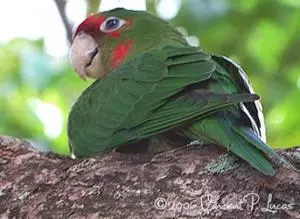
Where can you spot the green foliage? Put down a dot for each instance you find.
(32, 89)
(262, 36)
(93, 5)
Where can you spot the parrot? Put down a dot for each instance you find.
(151, 85)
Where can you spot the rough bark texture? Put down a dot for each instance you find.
(177, 184)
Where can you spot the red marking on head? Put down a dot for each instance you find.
(120, 52)
(91, 25)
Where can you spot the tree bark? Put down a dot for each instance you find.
(183, 183)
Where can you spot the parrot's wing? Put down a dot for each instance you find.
(252, 110)
(145, 97)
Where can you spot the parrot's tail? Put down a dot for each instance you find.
(240, 140)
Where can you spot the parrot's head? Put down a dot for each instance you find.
(105, 40)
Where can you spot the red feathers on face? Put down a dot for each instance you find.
(91, 25)
(120, 53)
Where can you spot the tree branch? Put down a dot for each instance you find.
(61, 5)
(177, 184)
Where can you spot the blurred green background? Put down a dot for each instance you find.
(38, 87)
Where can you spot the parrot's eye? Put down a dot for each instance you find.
(111, 24)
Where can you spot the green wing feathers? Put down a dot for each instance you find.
(117, 109)
(168, 88)
(133, 102)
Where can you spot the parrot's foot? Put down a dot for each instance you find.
(225, 163)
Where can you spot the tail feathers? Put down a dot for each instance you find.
(248, 135)
(220, 131)
(248, 152)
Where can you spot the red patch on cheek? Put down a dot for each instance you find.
(120, 53)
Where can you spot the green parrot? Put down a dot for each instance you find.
(151, 84)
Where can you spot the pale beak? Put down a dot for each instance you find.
(83, 51)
